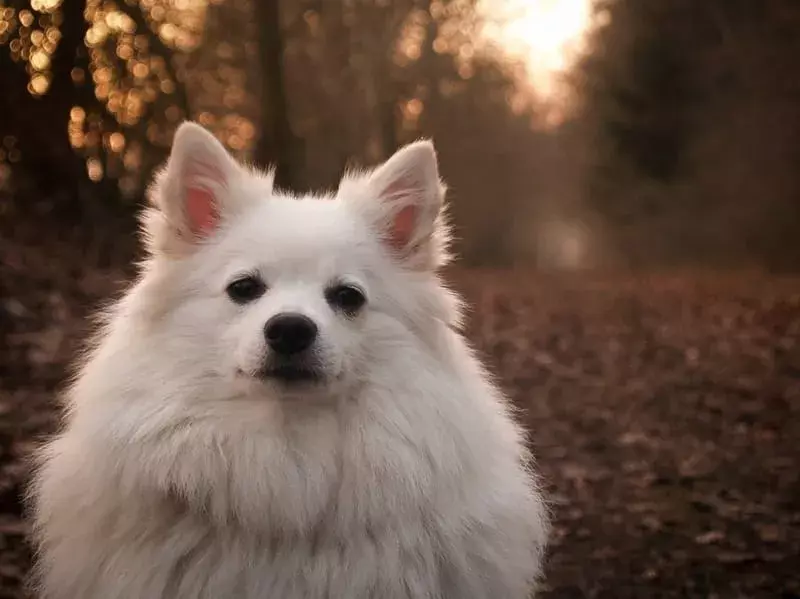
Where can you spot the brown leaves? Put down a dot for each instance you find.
(664, 411)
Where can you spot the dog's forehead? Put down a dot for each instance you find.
(290, 230)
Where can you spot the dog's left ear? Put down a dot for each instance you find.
(194, 193)
(410, 198)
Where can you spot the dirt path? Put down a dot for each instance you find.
(664, 414)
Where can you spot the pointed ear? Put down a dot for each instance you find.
(408, 199)
(193, 193)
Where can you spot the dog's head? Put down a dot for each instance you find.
(295, 294)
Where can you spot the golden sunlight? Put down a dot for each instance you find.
(547, 35)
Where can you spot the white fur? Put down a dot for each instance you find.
(179, 476)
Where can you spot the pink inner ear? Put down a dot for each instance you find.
(201, 210)
(403, 227)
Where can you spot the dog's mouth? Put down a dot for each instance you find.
(292, 374)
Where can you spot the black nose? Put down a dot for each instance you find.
(290, 333)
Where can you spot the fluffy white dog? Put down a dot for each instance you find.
(281, 407)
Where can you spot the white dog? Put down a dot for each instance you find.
(281, 407)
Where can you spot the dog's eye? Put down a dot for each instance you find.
(246, 289)
(347, 298)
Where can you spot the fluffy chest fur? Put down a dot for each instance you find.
(392, 494)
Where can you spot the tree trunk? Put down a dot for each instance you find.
(39, 123)
(274, 147)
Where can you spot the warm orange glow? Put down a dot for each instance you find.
(546, 34)
(116, 141)
(95, 169)
(38, 85)
(45, 5)
(411, 112)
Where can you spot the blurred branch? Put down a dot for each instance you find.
(157, 44)
(38, 123)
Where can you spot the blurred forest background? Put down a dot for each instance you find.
(624, 178)
(668, 135)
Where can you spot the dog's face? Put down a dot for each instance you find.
(293, 294)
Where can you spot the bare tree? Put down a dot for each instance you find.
(275, 143)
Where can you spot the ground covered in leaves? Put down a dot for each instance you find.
(663, 412)
(665, 415)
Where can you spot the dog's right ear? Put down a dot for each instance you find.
(194, 192)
